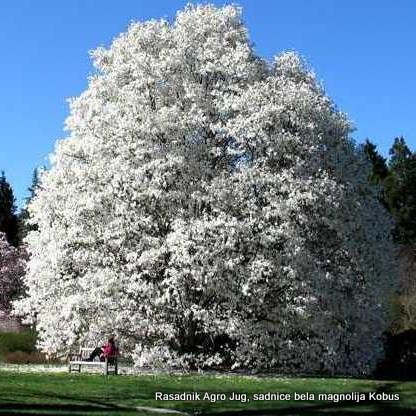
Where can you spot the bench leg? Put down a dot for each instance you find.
(73, 367)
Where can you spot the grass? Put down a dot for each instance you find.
(91, 394)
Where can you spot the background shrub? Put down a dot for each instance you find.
(11, 342)
(21, 357)
(400, 360)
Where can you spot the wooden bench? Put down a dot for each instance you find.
(77, 360)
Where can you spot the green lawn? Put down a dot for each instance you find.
(94, 394)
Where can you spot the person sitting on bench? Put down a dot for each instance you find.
(108, 350)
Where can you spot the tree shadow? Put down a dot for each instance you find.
(341, 408)
(62, 408)
(79, 405)
(69, 404)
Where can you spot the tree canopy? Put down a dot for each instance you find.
(209, 208)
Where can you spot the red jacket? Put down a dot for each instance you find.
(109, 350)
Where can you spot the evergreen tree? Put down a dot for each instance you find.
(24, 224)
(399, 154)
(379, 170)
(8, 218)
(400, 191)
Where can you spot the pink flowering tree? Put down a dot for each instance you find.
(12, 268)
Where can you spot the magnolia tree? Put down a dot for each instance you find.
(209, 208)
(12, 268)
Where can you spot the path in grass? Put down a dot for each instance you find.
(91, 394)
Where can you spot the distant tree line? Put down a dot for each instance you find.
(397, 180)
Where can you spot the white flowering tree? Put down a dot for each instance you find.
(209, 208)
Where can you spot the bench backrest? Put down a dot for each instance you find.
(84, 353)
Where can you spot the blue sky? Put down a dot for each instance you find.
(363, 51)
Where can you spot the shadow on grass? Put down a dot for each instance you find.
(317, 410)
(59, 408)
(87, 406)
(341, 408)
(73, 404)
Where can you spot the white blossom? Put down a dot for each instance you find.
(209, 208)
